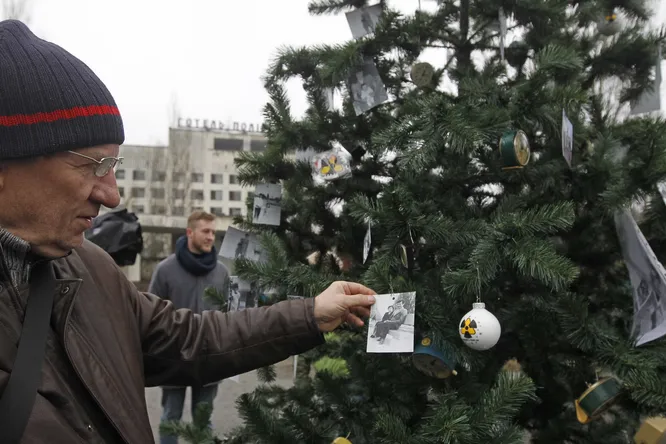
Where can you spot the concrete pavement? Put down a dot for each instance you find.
(225, 417)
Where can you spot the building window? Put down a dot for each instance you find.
(258, 145)
(138, 209)
(216, 195)
(234, 211)
(158, 209)
(217, 211)
(197, 194)
(216, 178)
(178, 211)
(121, 191)
(197, 209)
(234, 195)
(138, 192)
(197, 177)
(178, 193)
(250, 195)
(157, 193)
(138, 175)
(228, 144)
(233, 179)
(158, 176)
(178, 177)
(120, 174)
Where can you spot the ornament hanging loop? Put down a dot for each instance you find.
(478, 284)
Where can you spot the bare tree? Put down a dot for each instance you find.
(16, 9)
(178, 160)
(169, 183)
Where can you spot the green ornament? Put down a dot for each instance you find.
(597, 399)
(514, 149)
(422, 74)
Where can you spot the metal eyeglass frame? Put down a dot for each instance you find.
(104, 165)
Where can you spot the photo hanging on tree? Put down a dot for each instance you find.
(391, 324)
(362, 21)
(648, 280)
(267, 204)
(238, 244)
(241, 294)
(366, 87)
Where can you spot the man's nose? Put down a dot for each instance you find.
(105, 191)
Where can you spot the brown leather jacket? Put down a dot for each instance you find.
(119, 340)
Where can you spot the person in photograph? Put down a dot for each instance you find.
(393, 322)
(362, 92)
(100, 340)
(386, 317)
(376, 89)
(241, 247)
(182, 279)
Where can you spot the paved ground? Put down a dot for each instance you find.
(225, 416)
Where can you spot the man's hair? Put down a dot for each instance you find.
(197, 216)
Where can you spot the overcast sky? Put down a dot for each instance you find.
(208, 54)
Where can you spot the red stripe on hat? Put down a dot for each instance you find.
(61, 114)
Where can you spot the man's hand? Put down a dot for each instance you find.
(342, 302)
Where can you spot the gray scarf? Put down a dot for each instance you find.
(15, 255)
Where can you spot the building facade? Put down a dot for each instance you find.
(195, 171)
(162, 185)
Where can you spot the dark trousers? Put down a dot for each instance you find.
(383, 327)
(173, 400)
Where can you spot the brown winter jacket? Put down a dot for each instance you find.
(118, 341)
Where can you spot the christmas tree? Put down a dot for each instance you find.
(492, 174)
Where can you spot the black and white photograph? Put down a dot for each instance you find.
(238, 244)
(567, 138)
(391, 324)
(240, 291)
(267, 204)
(362, 21)
(648, 280)
(366, 87)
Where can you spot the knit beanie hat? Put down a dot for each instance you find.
(50, 101)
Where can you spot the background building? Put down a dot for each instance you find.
(195, 171)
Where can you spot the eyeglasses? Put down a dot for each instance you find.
(104, 165)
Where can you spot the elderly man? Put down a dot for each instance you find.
(78, 342)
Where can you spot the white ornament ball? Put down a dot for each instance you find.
(609, 24)
(479, 329)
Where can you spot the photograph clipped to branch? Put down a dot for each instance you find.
(366, 87)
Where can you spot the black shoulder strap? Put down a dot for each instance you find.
(19, 395)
